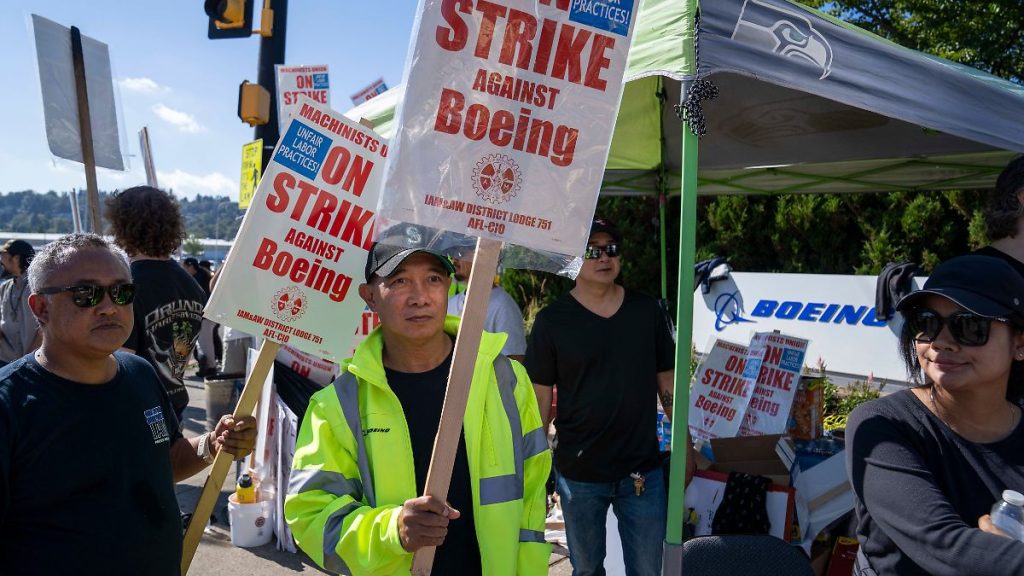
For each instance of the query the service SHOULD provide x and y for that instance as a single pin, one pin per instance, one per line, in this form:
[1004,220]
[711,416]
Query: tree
[192,246]
[985,35]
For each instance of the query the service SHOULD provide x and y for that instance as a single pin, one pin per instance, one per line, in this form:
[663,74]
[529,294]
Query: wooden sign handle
[85,132]
[222,463]
[467,344]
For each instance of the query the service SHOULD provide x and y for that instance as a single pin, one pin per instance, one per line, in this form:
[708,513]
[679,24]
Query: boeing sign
[835,312]
[851,314]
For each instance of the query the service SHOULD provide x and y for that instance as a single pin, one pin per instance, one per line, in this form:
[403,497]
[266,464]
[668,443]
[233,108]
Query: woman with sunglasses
[928,463]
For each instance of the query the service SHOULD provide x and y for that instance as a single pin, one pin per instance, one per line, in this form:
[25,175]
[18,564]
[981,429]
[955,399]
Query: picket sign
[222,462]
[262,290]
[467,345]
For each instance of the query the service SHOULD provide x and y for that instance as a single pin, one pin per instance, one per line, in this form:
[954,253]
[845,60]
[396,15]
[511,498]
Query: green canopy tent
[806,104]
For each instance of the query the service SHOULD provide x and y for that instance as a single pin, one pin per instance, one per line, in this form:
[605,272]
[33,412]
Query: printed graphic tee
[168,313]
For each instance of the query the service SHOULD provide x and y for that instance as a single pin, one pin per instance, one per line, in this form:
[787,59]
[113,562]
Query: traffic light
[229,18]
[253,104]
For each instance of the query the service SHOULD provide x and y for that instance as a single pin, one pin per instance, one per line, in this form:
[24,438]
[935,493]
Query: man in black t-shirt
[147,223]
[205,345]
[201,275]
[610,352]
[1004,215]
[89,444]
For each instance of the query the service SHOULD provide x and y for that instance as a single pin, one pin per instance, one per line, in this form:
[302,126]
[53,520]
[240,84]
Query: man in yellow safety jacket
[365,443]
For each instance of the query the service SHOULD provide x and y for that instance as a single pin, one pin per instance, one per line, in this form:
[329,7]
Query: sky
[169,77]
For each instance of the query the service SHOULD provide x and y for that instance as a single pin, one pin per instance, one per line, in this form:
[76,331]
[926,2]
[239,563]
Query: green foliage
[533,291]
[839,233]
[50,212]
[694,360]
[637,219]
[211,216]
[728,223]
[192,246]
[986,35]
[839,402]
[27,211]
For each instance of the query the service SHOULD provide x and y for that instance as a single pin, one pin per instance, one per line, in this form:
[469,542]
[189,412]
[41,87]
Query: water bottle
[245,491]
[1008,514]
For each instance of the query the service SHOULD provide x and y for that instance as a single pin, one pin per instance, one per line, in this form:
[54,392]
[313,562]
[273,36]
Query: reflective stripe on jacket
[353,468]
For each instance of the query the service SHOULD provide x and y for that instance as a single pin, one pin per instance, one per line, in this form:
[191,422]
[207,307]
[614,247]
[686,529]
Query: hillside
[29,211]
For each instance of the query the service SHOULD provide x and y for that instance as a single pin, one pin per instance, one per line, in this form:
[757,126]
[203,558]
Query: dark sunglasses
[89,295]
[594,252]
[967,328]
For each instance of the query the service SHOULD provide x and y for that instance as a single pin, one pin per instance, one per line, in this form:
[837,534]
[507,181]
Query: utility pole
[271,54]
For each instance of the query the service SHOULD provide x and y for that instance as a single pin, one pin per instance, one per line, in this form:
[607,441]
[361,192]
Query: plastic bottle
[1008,514]
[245,491]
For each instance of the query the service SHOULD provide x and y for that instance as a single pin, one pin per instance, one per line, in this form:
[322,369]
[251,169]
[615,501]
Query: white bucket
[251,524]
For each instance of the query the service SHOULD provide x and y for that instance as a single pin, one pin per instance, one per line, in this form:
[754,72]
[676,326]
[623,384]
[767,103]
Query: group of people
[354,502]
[91,435]
[926,464]
[91,412]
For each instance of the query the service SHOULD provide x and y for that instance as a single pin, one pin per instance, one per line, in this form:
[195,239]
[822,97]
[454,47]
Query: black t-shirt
[85,474]
[921,488]
[202,277]
[997,253]
[168,313]
[605,370]
[422,397]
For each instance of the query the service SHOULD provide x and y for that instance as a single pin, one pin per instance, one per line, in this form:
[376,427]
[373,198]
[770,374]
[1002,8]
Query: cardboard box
[752,455]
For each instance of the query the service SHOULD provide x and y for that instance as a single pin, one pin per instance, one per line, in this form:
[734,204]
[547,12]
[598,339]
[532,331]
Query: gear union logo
[496,178]
[289,304]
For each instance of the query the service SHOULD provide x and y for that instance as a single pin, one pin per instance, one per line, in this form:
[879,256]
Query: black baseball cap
[395,245]
[607,226]
[190,261]
[984,285]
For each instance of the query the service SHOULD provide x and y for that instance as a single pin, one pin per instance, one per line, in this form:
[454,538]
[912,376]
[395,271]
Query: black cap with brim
[384,259]
[602,225]
[981,284]
[967,300]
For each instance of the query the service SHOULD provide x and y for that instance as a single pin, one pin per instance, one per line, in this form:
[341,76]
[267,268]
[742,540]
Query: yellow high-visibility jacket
[353,468]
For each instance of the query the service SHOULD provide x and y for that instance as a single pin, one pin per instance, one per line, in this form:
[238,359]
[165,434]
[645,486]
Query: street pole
[272,53]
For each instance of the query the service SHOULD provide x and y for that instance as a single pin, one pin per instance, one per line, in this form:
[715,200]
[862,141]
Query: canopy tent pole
[663,239]
[662,199]
[672,563]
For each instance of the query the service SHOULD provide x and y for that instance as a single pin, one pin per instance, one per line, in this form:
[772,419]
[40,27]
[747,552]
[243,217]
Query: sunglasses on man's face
[89,295]
[967,328]
[594,252]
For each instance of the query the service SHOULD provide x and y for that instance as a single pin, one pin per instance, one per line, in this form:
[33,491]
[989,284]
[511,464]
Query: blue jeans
[641,523]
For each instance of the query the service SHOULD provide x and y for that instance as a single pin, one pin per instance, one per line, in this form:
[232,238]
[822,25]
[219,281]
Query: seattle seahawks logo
[784,32]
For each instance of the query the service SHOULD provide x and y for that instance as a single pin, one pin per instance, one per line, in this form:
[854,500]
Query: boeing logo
[727,311]
[821,312]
